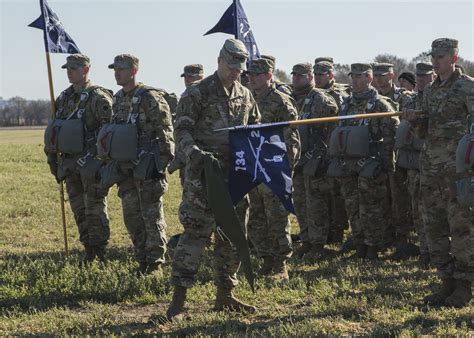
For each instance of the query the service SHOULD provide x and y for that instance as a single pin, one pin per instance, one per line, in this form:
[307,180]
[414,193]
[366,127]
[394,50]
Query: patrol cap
[259,66]
[234,53]
[382,68]
[76,61]
[193,70]
[270,58]
[443,46]
[323,67]
[409,76]
[324,58]
[424,68]
[360,68]
[124,61]
[302,68]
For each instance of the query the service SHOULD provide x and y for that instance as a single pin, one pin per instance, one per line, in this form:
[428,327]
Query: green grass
[42,292]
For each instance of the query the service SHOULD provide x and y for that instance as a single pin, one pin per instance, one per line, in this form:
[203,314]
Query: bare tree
[282,76]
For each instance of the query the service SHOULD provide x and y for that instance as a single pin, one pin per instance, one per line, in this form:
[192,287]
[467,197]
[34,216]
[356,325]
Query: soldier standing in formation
[408,147]
[217,101]
[362,156]
[448,107]
[269,226]
[92,105]
[324,79]
[142,194]
[313,165]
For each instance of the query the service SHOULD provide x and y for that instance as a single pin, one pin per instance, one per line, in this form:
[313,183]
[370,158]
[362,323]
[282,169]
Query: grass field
[43,293]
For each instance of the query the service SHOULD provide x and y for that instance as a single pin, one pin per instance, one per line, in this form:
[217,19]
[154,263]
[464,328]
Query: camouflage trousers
[401,211]
[339,220]
[89,206]
[269,226]
[449,226]
[366,207]
[142,205]
[413,183]
[299,201]
[318,205]
[199,224]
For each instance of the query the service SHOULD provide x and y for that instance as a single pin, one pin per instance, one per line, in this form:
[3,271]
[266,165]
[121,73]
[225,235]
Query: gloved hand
[197,156]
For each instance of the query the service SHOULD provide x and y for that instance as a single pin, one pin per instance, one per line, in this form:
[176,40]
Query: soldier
[192,74]
[303,82]
[313,165]
[400,220]
[91,106]
[407,80]
[217,101]
[142,192]
[408,163]
[324,78]
[448,107]
[281,86]
[361,156]
[269,225]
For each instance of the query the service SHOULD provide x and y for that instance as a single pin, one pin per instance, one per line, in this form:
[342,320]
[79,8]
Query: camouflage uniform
[268,216]
[207,106]
[299,195]
[313,165]
[449,226]
[363,180]
[400,218]
[412,178]
[87,199]
[142,200]
[339,92]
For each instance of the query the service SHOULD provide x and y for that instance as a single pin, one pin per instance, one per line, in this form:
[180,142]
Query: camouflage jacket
[98,108]
[300,95]
[154,119]
[318,103]
[275,106]
[448,106]
[381,129]
[400,96]
[206,106]
[338,91]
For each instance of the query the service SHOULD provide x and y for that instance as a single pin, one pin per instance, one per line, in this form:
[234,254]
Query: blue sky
[166,35]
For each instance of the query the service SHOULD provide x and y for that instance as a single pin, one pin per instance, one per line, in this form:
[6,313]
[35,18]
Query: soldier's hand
[197,156]
[410,114]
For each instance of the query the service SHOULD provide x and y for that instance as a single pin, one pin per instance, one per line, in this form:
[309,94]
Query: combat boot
[280,270]
[361,252]
[372,253]
[302,250]
[405,250]
[99,253]
[438,298]
[153,268]
[89,254]
[335,237]
[225,300]
[424,260]
[176,309]
[348,245]
[316,252]
[461,295]
[267,266]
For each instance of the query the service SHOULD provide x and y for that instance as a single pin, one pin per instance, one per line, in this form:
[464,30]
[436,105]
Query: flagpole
[61,185]
[316,120]
[342,118]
